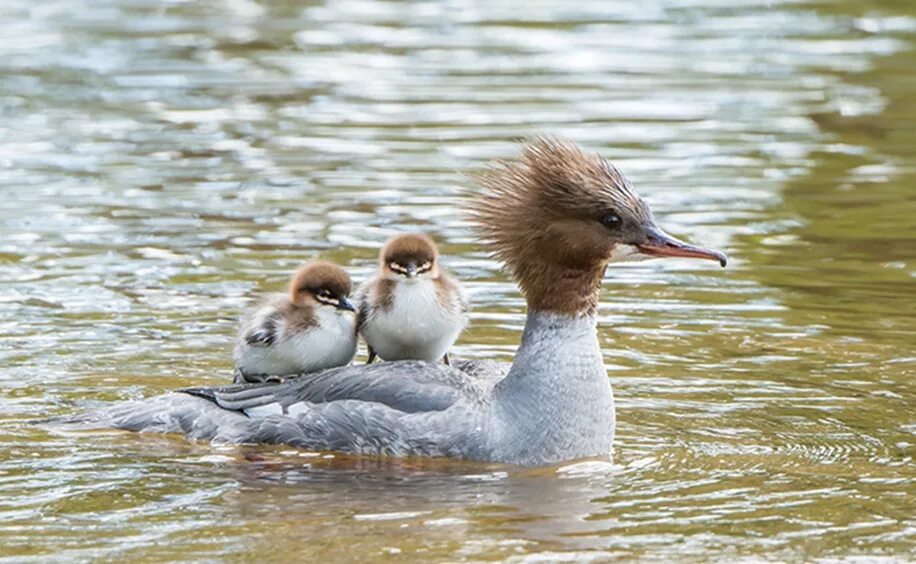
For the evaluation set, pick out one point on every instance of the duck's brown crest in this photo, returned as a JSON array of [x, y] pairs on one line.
[[408, 246], [318, 275], [553, 179], [541, 216]]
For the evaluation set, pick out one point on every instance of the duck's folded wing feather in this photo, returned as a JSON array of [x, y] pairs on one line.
[[406, 386], [393, 408]]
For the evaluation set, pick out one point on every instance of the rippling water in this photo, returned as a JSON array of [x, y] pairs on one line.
[[162, 164]]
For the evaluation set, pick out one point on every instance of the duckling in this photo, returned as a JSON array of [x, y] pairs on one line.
[[411, 309], [312, 327]]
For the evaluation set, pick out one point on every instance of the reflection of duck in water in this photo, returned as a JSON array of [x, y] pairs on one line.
[[311, 328], [411, 309], [556, 219]]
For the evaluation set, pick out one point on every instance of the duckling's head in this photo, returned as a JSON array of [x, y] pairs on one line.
[[558, 216], [321, 284], [409, 257]]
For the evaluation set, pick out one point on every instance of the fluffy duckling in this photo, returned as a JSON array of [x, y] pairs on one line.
[[411, 309], [312, 327]]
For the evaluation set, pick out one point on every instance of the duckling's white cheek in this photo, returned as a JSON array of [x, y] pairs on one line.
[[626, 253]]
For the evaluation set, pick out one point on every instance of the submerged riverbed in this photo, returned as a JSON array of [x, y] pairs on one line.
[[163, 164]]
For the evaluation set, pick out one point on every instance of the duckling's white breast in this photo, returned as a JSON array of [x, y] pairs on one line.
[[416, 325]]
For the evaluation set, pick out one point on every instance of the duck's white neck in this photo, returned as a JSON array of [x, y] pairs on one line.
[[556, 402]]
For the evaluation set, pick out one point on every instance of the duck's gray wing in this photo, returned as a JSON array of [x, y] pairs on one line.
[[396, 408], [405, 386]]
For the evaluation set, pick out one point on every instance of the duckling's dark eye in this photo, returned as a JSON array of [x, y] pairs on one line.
[[611, 220], [324, 294]]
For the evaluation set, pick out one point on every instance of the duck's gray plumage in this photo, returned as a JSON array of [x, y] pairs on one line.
[[554, 404], [409, 386]]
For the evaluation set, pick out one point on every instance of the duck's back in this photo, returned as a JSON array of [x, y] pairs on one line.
[[396, 408]]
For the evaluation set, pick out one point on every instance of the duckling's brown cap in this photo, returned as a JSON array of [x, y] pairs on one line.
[[407, 247], [321, 275]]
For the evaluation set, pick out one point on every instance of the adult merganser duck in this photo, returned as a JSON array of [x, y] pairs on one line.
[[411, 309], [313, 327], [556, 218]]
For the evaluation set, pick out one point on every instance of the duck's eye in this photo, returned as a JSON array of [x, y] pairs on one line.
[[324, 294], [611, 220]]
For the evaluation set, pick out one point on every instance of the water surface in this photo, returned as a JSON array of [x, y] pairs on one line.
[[163, 164]]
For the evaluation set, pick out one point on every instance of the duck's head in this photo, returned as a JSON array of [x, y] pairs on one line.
[[409, 257], [558, 216], [321, 284]]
